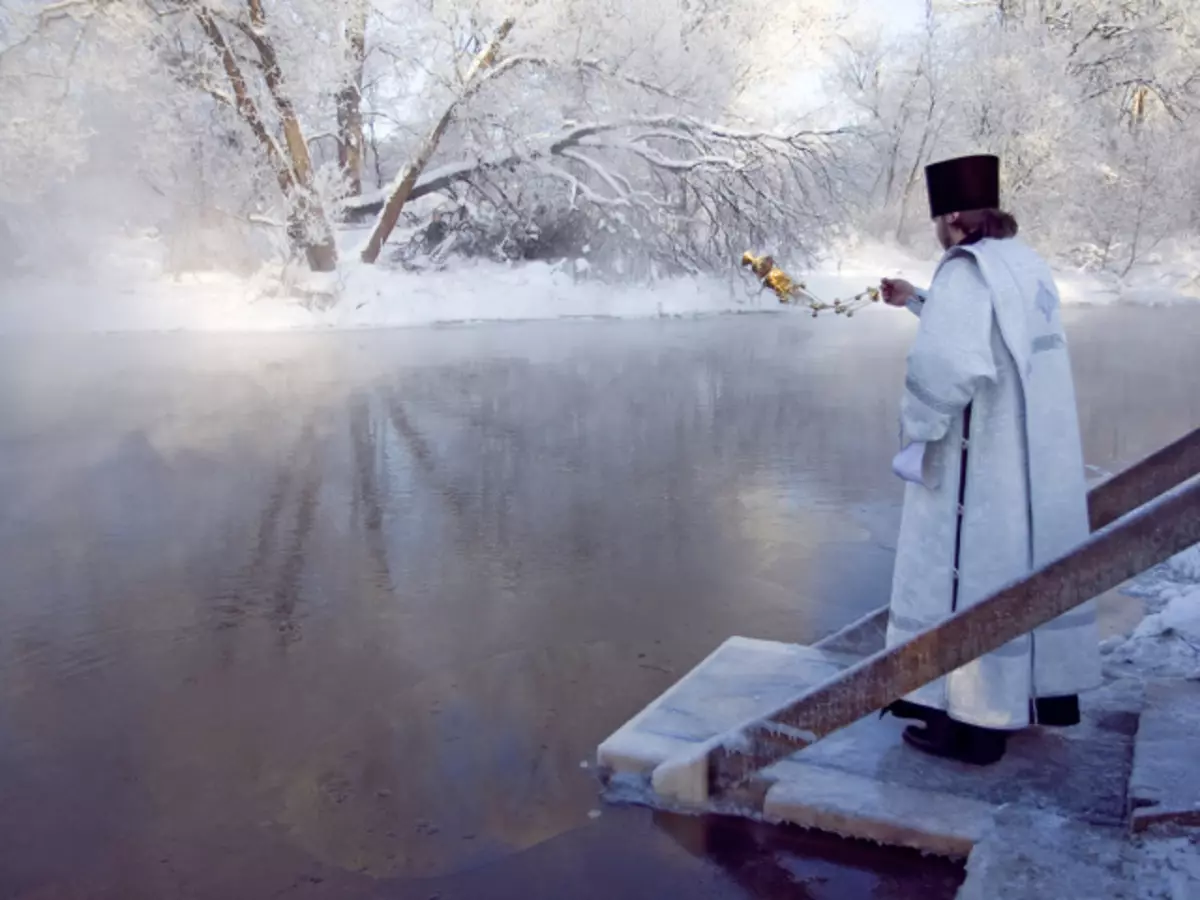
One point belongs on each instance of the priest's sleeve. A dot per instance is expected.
(952, 354)
(917, 301)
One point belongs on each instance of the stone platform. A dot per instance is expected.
(863, 781)
(1102, 778)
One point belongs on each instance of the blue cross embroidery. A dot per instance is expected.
(1046, 301)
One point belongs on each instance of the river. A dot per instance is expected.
(346, 614)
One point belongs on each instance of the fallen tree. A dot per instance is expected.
(617, 142)
(691, 192)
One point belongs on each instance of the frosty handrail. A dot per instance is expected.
(1108, 501)
(1126, 548)
(1145, 480)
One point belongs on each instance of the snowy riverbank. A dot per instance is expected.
(126, 290)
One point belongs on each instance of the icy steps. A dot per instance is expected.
(1106, 778)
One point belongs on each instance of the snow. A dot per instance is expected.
(131, 296)
(1185, 566)
(1167, 641)
(125, 289)
(1166, 868)
(366, 297)
(1030, 853)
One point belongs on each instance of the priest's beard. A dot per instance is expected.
(943, 233)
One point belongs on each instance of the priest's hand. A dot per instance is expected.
(896, 291)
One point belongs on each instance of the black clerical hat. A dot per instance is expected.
(962, 184)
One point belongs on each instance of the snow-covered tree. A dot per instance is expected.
(642, 137)
(1089, 103)
(44, 129)
(622, 117)
(266, 65)
(1128, 53)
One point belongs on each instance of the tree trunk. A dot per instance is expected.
(320, 253)
(402, 187)
(351, 143)
(309, 226)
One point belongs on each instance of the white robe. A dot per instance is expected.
(991, 337)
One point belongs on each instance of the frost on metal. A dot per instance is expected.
(735, 741)
(685, 777)
(801, 736)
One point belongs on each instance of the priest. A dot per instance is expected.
(990, 448)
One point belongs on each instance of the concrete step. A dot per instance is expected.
(1029, 854)
(742, 679)
(863, 781)
(1164, 787)
(1026, 854)
(1110, 808)
(1035, 855)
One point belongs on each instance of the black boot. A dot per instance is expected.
(1057, 712)
(948, 739)
(903, 709)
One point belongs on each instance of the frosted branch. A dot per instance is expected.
(675, 165)
(610, 71)
(600, 171)
(579, 187)
(508, 64)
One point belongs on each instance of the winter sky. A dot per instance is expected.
(902, 13)
(806, 94)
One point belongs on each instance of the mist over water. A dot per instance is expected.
(341, 614)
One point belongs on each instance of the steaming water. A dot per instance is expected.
(341, 615)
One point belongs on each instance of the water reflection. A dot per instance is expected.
(343, 614)
(768, 861)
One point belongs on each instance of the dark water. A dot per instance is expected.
(342, 615)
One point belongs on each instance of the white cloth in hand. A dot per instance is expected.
(909, 463)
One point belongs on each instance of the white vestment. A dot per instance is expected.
(991, 340)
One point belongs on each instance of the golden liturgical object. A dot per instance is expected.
(795, 292)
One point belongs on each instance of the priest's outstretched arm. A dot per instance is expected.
(952, 354)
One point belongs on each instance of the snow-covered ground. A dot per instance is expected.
(1167, 642)
(363, 297)
(125, 290)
